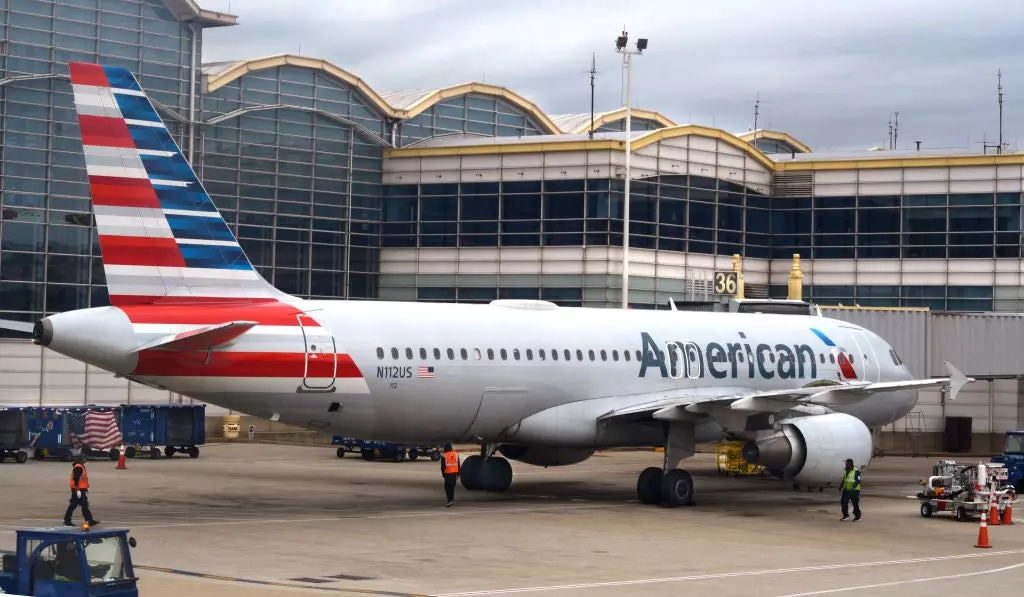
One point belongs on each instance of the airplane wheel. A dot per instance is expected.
(496, 474)
(677, 488)
(470, 474)
(648, 486)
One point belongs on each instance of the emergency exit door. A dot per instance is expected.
(321, 359)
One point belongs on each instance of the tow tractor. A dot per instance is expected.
(70, 562)
(965, 490)
(1013, 458)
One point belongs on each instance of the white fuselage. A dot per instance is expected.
(495, 365)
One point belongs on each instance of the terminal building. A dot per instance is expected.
(472, 192)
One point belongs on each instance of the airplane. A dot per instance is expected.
(532, 381)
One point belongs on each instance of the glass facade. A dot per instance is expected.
(473, 114)
(299, 185)
(673, 213)
(49, 257)
(637, 124)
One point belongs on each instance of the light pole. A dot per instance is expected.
(627, 55)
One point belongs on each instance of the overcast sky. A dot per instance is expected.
(829, 73)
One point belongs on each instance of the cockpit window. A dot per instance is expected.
(895, 358)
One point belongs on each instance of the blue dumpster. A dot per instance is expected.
(13, 434)
(176, 427)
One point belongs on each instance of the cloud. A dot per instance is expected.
(831, 74)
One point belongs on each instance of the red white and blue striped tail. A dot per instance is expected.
(161, 237)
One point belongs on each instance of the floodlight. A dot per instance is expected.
(620, 41)
(641, 44)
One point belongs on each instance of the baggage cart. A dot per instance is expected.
(371, 450)
(14, 435)
(54, 431)
(176, 427)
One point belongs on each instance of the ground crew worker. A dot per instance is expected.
(79, 492)
(851, 491)
(450, 465)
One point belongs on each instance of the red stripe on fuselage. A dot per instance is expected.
(209, 311)
(112, 191)
(140, 250)
(104, 131)
(169, 363)
(88, 74)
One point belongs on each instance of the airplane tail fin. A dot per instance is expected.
(161, 237)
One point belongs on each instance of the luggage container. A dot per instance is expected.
(54, 431)
(176, 427)
(13, 434)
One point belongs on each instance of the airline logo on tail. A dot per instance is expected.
(160, 234)
(845, 366)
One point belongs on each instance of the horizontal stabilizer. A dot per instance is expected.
(203, 338)
(17, 326)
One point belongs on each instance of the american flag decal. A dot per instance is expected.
(94, 429)
(427, 372)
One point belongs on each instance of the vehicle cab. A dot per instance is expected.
(1013, 458)
(70, 562)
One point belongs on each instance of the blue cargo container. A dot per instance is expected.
(371, 450)
(176, 427)
(13, 434)
(50, 432)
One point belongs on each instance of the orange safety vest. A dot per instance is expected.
(451, 462)
(83, 483)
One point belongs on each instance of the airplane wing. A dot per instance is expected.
(203, 338)
(809, 400)
(17, 326)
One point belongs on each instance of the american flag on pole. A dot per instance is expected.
(426, 372)
(94, 429)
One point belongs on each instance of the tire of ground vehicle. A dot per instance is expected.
(341, 452)
(961, 514)
(926, 510)
(193, 451)
(129, 452)
(169, 451)
(414, 454)
(20, 457)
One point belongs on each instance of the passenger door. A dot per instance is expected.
(321, 358)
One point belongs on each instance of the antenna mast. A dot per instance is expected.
(999, 88)
(593, 75)
(757, 112)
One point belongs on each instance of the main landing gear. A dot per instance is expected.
(670, 486)
(486, 472)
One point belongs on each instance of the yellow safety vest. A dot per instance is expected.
(850, 480)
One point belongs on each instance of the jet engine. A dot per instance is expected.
(545, 455)
(812, 450)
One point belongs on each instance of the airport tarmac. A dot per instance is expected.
(277, 520)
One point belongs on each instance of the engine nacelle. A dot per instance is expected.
(545, 455)
(813, 450)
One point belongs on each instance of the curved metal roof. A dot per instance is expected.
(580, 123)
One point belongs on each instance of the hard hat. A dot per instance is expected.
(447, 447)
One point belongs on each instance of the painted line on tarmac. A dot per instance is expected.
(907, 582)
(270, 583)
(651, 581)
(420, 514)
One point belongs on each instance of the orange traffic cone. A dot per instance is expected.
(983, 533)
(120, 460)
(993, 514)
(1008, 514)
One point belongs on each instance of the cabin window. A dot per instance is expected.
(541, 355)
(604, 355)
(504, 354)
(408, 353)
(380, 353)
(463, 354)
(451, 354)
(490, 354)
(568, 355)
(832, 358)
(476, 354)
(423, 354)
(625, 355)
(639, 356)
(579, 355)
(437, 354)
(822, 355)
(590, 353)
(529, 354)
(515, 353)
(554, 354)
(394, 352)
